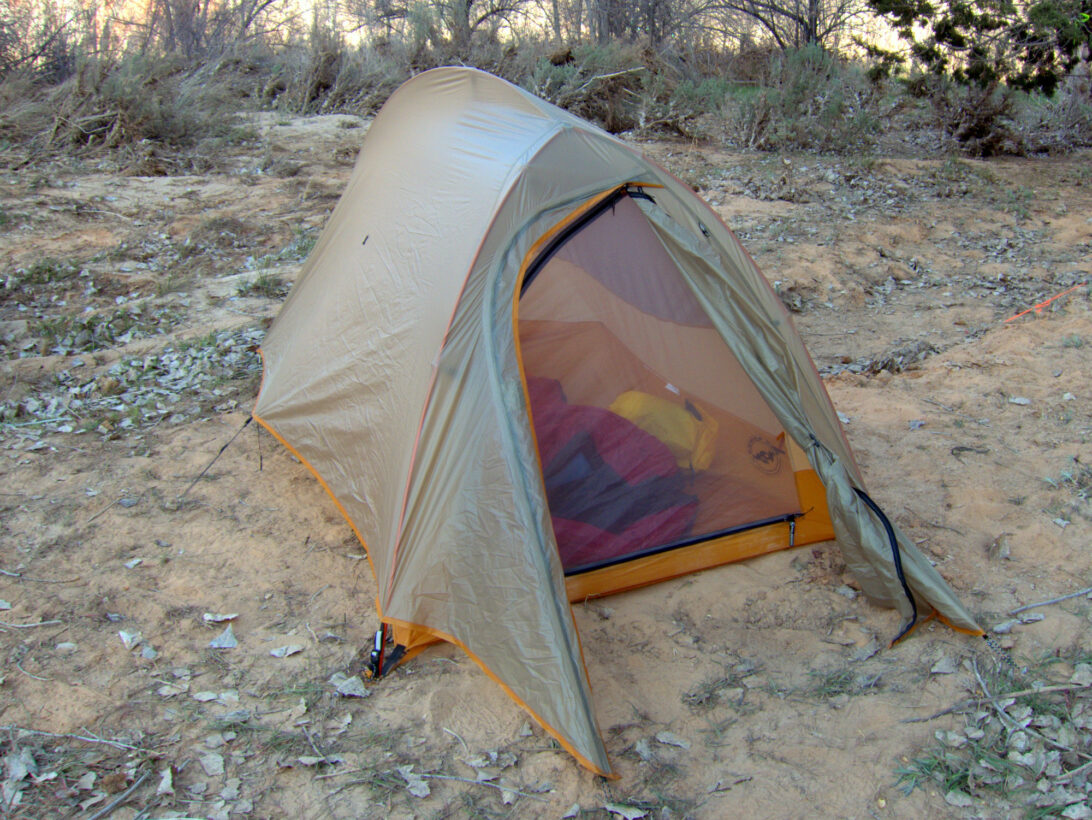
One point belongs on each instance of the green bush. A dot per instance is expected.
(809, 100)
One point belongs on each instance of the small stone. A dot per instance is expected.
(148, 653)
(134, 563)
(65, 647)
(4, 605)
(130, 639)
(1020, 400)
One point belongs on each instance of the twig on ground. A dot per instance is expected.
(115, 743)
(456, 736)
(104, 509)
(311, 740)
(18, 665)
(22, 577)
(1058, 600)
(1065, 778)
(496, 786)
(121, 799)
(965, 704)
(29, 626)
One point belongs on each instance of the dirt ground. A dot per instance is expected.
(130, 310)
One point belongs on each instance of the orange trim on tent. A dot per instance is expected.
(566, 745)
(978, 633)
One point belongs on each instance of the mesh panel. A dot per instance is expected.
(650, 434)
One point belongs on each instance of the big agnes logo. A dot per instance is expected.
(766, 455)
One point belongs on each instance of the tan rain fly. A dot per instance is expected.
(530, 365)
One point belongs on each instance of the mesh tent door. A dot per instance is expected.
(651, 436)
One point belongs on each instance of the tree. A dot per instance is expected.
(1031, 46)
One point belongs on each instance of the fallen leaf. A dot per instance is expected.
(625, 812)
(958, 799)
(212, 763)
(349, 687)
(216, 618)
(672, 739)
(225, 640)
(166, 782)
(415, 784)
(231, 788)
(285, 651)
(947, 665)
(1082, 675)
(169, 690)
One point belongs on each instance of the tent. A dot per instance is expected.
(531, 367)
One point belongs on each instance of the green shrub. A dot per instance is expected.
(810, 100)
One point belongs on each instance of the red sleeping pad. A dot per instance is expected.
(613, 489)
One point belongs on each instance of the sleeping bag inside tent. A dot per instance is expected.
(530, 367)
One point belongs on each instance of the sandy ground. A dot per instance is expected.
(763, 689)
